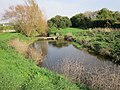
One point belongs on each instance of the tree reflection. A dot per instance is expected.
(41, 46)
(59, 44)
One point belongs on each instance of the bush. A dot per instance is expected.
(101, 24)
(80, 21)
(59, 22)
(52, 30)
(117, 25)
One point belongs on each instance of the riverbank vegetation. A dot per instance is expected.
(96, 31)
(100, 41)
(24, 49)
(18, 72)
(103, 77)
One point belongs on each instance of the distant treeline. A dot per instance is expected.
(103, 18)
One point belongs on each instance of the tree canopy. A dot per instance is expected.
(91, 19)
(104, 14)
(59, 22)
(80, 20)
(27, 18)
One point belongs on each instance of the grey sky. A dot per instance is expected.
(69, 8)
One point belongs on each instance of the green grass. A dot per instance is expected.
(66, 31)
(96, 41)
(19, 73)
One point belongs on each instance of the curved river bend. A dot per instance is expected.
(62, 57)
(56, 51)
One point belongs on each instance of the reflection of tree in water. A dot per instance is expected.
(59, 44)
(41, 46)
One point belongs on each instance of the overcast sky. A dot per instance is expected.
(68, 8)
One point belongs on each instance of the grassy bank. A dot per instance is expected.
(19, 73)
(105, 42)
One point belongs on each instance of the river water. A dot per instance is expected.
(62, 57)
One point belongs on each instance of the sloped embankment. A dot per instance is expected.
(19, 73)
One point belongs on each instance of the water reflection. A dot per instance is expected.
(64, 58)
(41, 46)
(56, 51)
(59, 44)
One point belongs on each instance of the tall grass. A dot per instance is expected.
(26, 50)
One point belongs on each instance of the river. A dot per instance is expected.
(62, 57)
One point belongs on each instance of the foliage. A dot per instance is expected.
(28, 18)
(104, 14)
(116, 16)
(80, 21)
(103, 18)
(116, 25)
(59, 22)
(51, 24)
(101, 23)
(104, 42)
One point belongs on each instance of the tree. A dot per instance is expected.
(27, 18)
(51, 24)
(59, 22)
(116, 16)
(80, 21)
(67, 22)
(105, 14)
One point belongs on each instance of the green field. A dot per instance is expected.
(105, 42)
(19, 73)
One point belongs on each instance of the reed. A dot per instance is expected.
(98, 78)
(29, 52)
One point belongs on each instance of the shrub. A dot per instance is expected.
(116, 25)
(101, 24)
